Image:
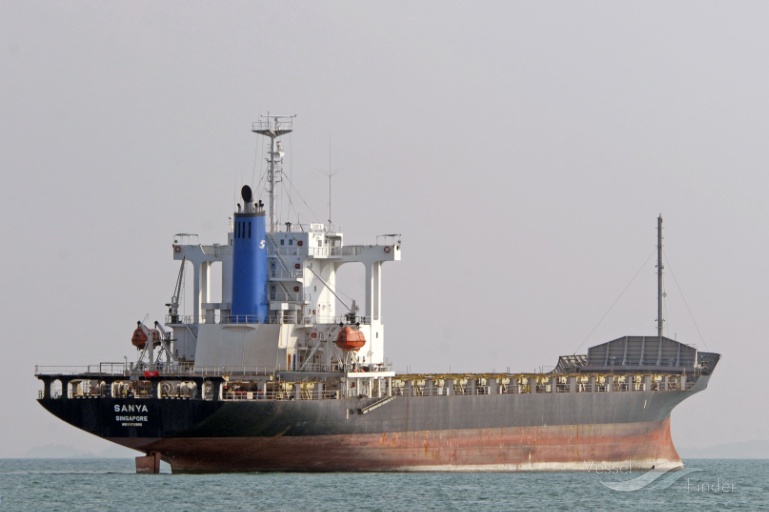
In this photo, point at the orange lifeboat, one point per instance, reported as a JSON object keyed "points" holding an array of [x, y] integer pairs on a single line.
{"points": [[350, 339], [140, 338]]}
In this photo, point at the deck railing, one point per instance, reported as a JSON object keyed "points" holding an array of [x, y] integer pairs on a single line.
{"points": [[267, 383], [173, 370]]}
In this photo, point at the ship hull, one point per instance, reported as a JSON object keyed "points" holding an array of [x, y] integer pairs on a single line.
{"points": [[536, 431], [558, 448]]}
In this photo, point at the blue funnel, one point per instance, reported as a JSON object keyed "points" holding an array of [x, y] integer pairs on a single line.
{"points": [[250, 302]]}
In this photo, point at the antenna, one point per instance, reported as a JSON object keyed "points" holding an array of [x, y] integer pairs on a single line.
{"points": [[273, 126], [331, 175]]}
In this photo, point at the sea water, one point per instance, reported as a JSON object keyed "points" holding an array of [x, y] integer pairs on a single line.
{"points": [[112, 484]]}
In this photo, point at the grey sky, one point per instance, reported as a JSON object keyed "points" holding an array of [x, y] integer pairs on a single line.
{"points": [[524, 150]]}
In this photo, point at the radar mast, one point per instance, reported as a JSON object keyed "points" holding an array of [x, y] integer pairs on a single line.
{"points": [[273, 126]]}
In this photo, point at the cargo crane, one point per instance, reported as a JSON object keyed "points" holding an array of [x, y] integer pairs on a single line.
{"points": [[173, 306]]}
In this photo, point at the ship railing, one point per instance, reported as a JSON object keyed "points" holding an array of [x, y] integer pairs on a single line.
{"points": [[319, 227], [217, 318], [172, 369], [91, 369], [348, 250], [441, 391], [409, 387], [514, 389], [314, 227], [292, 250], [333, 368], [335, 319], [317, 368], [458, 390], [323, 251], [220, 371], [180, 319], [271, 319], [169, 370], [306, 394], [241, 319], [308, 251], [406, 387], [281, 273]]}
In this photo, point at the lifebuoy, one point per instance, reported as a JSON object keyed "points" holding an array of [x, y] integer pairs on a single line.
{"points": [[387, 248], [177, 248]]}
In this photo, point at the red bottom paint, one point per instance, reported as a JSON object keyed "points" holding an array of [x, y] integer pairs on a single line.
{"points": [[556, 448]]}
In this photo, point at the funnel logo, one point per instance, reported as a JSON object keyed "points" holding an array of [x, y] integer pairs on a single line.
{"points": [[652, 479], [261, 244]]}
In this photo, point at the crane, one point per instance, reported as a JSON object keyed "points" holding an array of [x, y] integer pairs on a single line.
{"points": [[173, 306]]}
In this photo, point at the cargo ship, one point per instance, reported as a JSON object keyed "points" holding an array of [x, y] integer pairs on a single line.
{"points": [[284, 374]]}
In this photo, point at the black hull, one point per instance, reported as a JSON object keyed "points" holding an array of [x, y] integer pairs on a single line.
{"points": [[534, 430]]}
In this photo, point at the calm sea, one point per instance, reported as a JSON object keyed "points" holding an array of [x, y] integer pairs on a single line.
{"points": [[111, 484]]}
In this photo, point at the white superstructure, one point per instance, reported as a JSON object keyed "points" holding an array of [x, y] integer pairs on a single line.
{"points": [[304, 320]]}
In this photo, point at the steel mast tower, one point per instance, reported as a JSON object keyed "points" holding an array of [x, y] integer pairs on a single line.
{"points": [[273, 127], [660, 320]]}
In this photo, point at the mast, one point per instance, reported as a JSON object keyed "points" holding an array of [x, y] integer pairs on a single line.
{"points": [[273, 127], [331, 175], [659, 276]]}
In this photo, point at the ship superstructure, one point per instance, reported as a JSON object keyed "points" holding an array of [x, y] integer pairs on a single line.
{"points": [[277, 377], [285, 290]]}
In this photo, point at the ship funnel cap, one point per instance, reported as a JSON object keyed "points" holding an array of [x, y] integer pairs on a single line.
{"points": [[248, 200], [246, 193]]}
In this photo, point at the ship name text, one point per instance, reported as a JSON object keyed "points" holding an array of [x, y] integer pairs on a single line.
{"points": [[131, 421]]}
